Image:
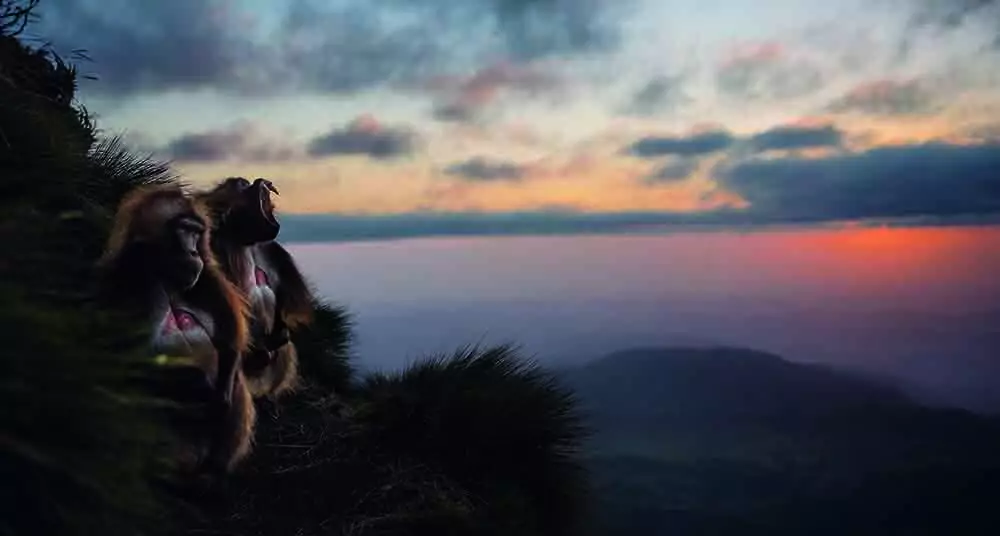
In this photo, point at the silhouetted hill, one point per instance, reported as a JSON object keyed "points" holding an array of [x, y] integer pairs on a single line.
{"points": [[719, 383], [736, 441]]}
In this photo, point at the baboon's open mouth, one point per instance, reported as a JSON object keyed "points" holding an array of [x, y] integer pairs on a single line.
{"points": [[266, 206]]}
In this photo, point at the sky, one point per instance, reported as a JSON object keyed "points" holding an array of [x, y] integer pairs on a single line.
{"points": [[865, 119], [918, 306], [772, 110]]}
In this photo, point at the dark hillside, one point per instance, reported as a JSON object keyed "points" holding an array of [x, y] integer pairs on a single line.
{"points": [[731, 441], [84, 449], [720, 383]]}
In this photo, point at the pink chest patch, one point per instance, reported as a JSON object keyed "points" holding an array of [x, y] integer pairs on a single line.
{"points": [[179, 321], [260, 277]]}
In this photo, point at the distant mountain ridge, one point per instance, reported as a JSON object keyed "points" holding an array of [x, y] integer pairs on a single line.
{"points": [[719, 383], [723, 440]]}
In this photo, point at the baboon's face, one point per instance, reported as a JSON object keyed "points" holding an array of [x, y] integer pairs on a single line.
{"points": [[182, 260], [249, 213], [170, 235]]}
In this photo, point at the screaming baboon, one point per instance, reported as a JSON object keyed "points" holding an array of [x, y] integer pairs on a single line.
{"points": [[158, 263], [280, 299]]}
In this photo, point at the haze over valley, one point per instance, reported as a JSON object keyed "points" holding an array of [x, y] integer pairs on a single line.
{"points": [[916, 306]]}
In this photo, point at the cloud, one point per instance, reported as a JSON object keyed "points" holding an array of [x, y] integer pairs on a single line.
{"points": [[675, 171], [154, 45], [364, 136], [696, 144], [975, 22], [781, 138], [240, 141], [901, 181], [333, 47], [766, 71], [950, 13], [465, 97], [348, 50], [205, 147], [658, 94], [886, 97], [796, 137], [538, 28], [985, 133], [454, 112], [480, 169]]}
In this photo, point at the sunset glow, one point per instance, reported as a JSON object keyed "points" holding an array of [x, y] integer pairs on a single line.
{"points": [[598, 105]]}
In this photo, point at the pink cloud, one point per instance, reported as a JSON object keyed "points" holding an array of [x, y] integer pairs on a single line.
{"points": [[767, 70], [886, 97], [365, 123], [463, 96], [364, 135], [879, 89], [763, 52]]}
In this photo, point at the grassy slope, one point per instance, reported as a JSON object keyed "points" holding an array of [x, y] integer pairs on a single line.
{"points": [[439, 448]]}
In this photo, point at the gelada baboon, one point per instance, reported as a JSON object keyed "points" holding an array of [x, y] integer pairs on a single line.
{"points": [[280, 299], [158, 263]]}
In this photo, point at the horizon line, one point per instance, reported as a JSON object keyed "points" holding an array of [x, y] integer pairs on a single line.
{"points": [[339, 227]]}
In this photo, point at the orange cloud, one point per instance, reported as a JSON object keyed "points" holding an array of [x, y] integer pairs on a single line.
{"points": [[583, 181], [706, 127], [810, 121]]}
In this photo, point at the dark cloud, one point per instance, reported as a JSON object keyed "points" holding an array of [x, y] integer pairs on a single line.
{"points": [[950, 13], [336, 47], [239, 142], [149, 45], [454, 112], [796, 137], [364, 136], [696, 144], [901, 181], [886, 97], [353, 48], [972, 17], [659, 94], [205, 147], [675, 171], [556, 220], [765, 71], [480, 169], [781, 138], [537, 28]]}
